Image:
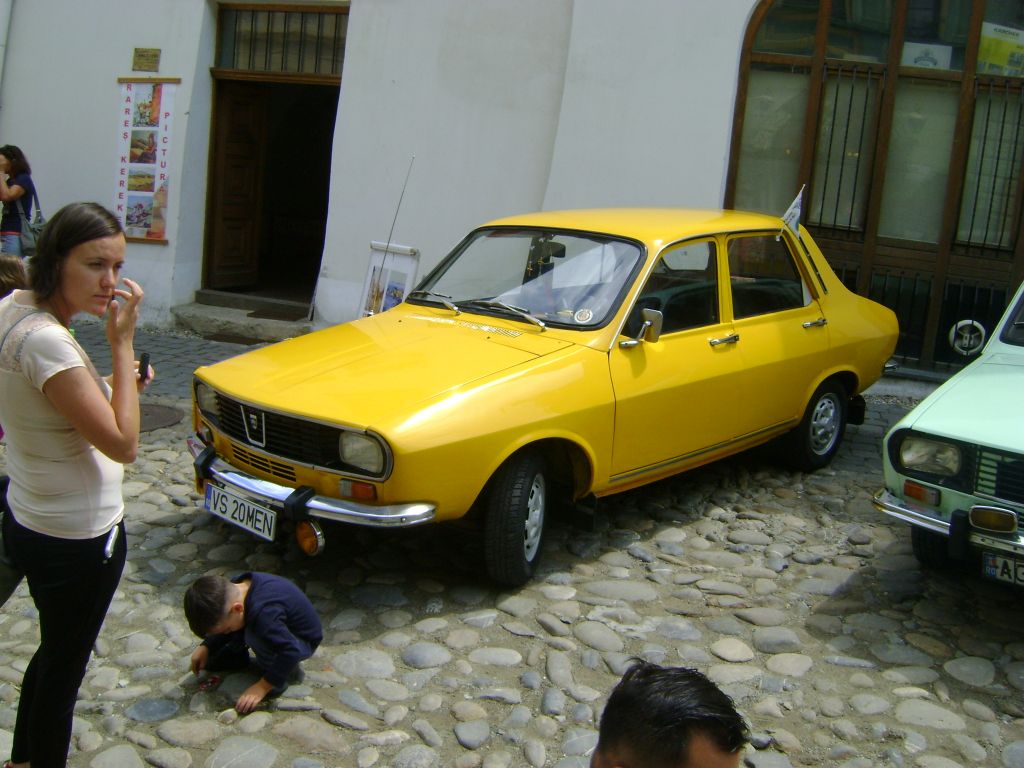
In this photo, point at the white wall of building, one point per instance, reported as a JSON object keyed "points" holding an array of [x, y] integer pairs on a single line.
{"points": [[59, 102], [510, 107], [646, 118], [506, 106], [472, 89]]}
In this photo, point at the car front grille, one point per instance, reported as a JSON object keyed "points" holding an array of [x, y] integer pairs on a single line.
{"points": [[246, 458], [305, 442], [1000, 475]]}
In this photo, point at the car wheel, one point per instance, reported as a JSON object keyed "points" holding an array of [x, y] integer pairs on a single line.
{"points": [[514, 530], [931, 549], [815, 441]]}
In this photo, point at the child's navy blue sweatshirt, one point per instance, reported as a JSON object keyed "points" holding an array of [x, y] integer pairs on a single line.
{"points": [[281, 626]]}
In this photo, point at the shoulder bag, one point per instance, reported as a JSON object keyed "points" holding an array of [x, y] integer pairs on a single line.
{"points": [[10, 574], [30, 230]]}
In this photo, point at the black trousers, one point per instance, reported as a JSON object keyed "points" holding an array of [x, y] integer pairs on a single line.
{"points": [[72, 585]]}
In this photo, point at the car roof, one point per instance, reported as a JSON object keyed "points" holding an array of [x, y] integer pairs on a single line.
{"points": [[646, 224]]}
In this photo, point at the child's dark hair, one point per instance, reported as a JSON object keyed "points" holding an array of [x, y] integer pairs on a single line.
{"points": [[12, 273], [206, 602]]}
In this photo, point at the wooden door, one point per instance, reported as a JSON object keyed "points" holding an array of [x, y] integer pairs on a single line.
{"points": [[233, 256]]}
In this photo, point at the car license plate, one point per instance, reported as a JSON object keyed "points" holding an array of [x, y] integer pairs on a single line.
{"points": [[1003, 568], [241, 512]]}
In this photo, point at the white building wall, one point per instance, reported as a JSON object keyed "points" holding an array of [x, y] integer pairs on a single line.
{"points": [[472, 89], [517, 106], [59, 102], [647, 114], [506, 106]]}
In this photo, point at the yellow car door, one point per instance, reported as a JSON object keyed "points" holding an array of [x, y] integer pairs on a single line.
{"points": [[783, 333], [675, 398]]}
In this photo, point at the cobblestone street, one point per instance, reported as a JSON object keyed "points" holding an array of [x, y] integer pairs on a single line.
{"points": [[789, 590]]}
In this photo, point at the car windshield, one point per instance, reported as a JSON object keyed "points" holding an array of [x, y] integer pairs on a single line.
{"points": [[554, 277], [1013, 330]]}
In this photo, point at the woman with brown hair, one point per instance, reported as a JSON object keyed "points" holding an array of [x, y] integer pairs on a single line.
{"points": [[69, 433]]}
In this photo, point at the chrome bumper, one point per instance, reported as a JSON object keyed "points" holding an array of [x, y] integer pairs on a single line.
{"points": [[322, 507], [1012, 544]]}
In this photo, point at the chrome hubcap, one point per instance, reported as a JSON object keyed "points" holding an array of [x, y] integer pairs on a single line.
{"points": [[824, 425], [534, 518]]}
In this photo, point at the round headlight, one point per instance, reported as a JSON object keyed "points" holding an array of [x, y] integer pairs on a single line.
{"points": [[362, 452], [206, 399], [934, 456]]}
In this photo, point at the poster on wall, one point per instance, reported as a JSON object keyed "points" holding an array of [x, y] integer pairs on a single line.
{"points": [[1001, 51], [144, 144], [390, 276]]}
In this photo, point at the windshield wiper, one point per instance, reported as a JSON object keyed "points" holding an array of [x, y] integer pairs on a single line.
{"points": [[446, 300], [509, 308]]}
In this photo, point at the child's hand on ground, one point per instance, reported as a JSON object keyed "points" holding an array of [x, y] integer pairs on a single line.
{"points": [[252, 696], [200, 656]]}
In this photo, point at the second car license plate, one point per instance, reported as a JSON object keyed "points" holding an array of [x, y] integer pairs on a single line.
{"points": [[241, 512], [1003, 568]]}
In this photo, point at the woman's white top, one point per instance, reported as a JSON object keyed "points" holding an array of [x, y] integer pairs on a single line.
{"points": [[60, 484]]}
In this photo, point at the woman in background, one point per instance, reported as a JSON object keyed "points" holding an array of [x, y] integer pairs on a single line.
{"points": [[16, 193]]}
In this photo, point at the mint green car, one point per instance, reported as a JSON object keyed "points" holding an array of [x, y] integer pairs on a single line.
{"points": [[954, 465]]}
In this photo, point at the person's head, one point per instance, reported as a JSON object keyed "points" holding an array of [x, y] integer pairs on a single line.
{"points": [[668, 717], [12, 273], [214, 606], [13, 160], [78, 259]]}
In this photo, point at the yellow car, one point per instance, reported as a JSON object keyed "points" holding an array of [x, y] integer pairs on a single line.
{"points": [[550, 358]]}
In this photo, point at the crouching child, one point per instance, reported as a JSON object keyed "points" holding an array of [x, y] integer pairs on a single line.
{"points": [[259, 611]]}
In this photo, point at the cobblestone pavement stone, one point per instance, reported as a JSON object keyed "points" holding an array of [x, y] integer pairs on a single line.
{"points": [[789, 590]]}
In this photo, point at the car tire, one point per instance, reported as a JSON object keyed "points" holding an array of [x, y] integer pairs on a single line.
{"points": [[817, 438], [517, 504], [931, 549]]}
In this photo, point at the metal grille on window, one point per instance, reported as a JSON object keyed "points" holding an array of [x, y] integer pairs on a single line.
{"points": [[295, 42], [845, 148], [989, 205]]}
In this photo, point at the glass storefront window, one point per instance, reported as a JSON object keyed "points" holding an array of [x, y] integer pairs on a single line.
{"points": [[859, 30], [936, 34], [993, 166], [789, 27], [773, 127], [924, 118], [844, 150]]}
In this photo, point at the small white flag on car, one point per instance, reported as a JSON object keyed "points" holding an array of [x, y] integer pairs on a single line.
{"points": [[791, 218]]}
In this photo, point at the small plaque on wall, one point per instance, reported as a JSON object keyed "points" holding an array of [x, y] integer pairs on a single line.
{"points": [[146, 60]]}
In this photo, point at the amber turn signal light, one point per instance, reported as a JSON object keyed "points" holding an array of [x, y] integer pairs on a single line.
{"points": [[310, 537], [993, 519]]}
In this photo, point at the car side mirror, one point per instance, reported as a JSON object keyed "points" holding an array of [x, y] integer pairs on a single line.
{"points": [[650, 329]]}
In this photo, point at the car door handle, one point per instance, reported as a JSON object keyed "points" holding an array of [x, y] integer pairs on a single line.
{"points": [[724, 340], [818, 322]]}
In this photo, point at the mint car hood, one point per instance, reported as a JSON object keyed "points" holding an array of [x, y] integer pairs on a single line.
{"points": [[377, 370], [983, 404]]}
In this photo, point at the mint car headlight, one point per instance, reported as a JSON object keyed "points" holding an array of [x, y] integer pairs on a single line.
{"points": [[930, 456], [362, 452]]}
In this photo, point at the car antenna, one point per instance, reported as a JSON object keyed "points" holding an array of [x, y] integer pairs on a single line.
{"points": [[387, 247]]}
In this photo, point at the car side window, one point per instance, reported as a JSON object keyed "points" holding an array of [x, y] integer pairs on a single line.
{"points": [[683, 286], [763, 277]]}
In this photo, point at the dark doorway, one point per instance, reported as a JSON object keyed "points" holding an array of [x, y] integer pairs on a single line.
{"points": [[269, 187]]}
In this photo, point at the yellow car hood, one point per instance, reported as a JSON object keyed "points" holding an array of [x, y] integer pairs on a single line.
{"points": [[378, 370]]}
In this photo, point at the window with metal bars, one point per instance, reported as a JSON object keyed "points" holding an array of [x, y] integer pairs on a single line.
{"points": [[990, 200], [306, 42], [845, 149]]}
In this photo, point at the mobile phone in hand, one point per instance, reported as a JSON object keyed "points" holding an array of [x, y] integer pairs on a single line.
{"points": [[144, 366]]}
